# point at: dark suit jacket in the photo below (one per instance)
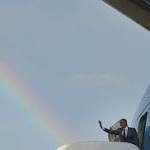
(131, 137)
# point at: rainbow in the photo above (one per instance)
(29, 105)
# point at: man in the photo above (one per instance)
(126, 134)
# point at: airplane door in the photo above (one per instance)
(141, 131)
(147, 133)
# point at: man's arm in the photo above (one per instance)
(108, 130)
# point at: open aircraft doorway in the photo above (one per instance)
(141, 129)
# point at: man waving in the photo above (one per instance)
(126, 134)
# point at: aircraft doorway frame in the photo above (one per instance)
(141, 129)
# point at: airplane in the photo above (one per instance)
(95, 145)
(141, 122)
(137, 10)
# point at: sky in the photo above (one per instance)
(65, 65)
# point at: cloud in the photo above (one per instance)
(99, 79)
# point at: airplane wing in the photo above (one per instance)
(137, 10)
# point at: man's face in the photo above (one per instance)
(123, 124)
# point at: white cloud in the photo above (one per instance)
(99, 79)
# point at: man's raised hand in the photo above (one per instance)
(100, 124)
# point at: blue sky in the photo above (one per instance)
(80, 57)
